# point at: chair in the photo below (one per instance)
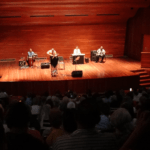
(61, 63)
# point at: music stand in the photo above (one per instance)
(77, 58)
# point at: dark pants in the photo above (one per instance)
(98, 56)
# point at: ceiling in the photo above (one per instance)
(68, 12)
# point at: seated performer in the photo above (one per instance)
(30, 58)
(77, 51)
(100, 53)
(53, 60)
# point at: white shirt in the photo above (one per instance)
(99, 51)
(50, 51)
(76, 51)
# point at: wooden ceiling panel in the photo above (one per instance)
(67, 12)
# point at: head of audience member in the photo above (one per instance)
(69, 123)
(105, 109)
(121, 120)
(77, 47)
(144, 105)
(50, 102)
(87, 114)
(71, 105)
(55, 118)
(30, 49)
(56, 101)
(129, 108)
(101, 47)
(35, 101)
(18, 116)
(64, 102)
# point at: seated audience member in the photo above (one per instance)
(2, 137)
(35, 108)
(3, 94)
(140, 137)
(55, 118)
(29, 99)
(121, 120)
(86, 136)
(44, 114)
(17, 120)
(69, 123)
(104, 123)
(71, 105)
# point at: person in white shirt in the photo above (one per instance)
(100, 53)
(51, 52)
(77, 51)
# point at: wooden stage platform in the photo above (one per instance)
(114, 73)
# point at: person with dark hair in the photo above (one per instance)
(69, 123)
(86, 136)
(104, 124)
(55, 118)
(17, 120)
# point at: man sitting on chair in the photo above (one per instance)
(100, 53)
(77, 51)
(30, 55)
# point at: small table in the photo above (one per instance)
(78, 58)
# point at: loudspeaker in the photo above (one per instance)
(45, 65)
(93, 55)
(87, 60)
(77, 73)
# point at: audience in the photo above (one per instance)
(114, 120)
(17, 120)
(86, 137)
(122, 121)
(55, 118)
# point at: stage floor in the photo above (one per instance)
(93, 74)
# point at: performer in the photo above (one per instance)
(52, 52)
(53, 60)
(77, 51)
(100, 53)
(30, 58)
(103, 53)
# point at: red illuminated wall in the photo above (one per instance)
(16, 41)
(137, 27)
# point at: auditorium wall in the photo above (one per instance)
(15, 41)
(137, 27)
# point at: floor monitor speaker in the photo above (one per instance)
(45, 65)
(77, 73)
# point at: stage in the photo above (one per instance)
(114, 73)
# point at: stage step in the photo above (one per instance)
(144, 77)
(145, 84)
(143, 73)
(144, 80)
(138, 70)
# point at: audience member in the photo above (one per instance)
(104, 124)
(122, 121)
(17, 120)
(86, 137)
(69, 123)
(55, 118)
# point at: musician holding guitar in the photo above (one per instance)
(53, 60)
(100, 53)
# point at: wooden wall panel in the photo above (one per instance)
(146, 43)
(137, 27)
(145, 59)
(16, 41)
